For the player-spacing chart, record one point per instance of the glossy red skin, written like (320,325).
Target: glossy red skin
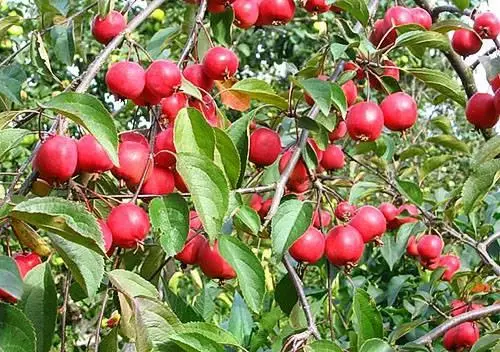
(350,91)
(378,32)
(402,217)
(339,132)
(170,106)
(496,101)
(452,265)
(256,202)
(194,221)
(480,110)
(430,247)
(220,63)
(316,6)
(299,173)
(365,121)
(213,264)
(389,211)
(314,145)
(390,70)
(370,223)
(326,218)
(189,253)
(335,9)
(487,25)
(466,42)
(107,236)
(351,66)
(265,146)
(163,78)
(459,307)
(160,181)
(461,336)
(147,98)
(25,263)
(264,209)
(411,247)
(432,264)
(333,158)
(105,29)
(397,16)
(129,225)
(134,159)
(91,156)
(421,17)
(208,108)
(57,159)
(495,82)
(179,182)
(345,211)
(246,13)
(164,147)
(275,12)
(214,7)
(195,74)
(344,245)
(309,247)
(298,187)
(126,79)
(131,136)
(400,111)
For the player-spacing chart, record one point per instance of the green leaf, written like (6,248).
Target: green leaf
(434,163)
(411,151)
(240,322)
(193,134)
(442,123)
(109,342)
(395,285)
(323,346)
(222,24)
(462,4)
(423,39)
(63,42)
(366,318)
(376,345)
(411,191)
(395,246)
(361,190)
(339,99)
(52,7)
(488,151)
(7,22)
(261,91)
(10,278)
(239,134)
(479,183)
(209,190)
(204,43)
(449,25)
(292,219)
(195,342)
(181,308)
(131,284)
(11,79)
(248,269)
(247,220)
(441,82)
(16,332)
(86,266)
(404,329)
(356,8)
(68,219)
(320,92)
(104,7)
(160,41)
(285,294)
(87,111)
(486,343)
(10,138)
(39,303)
(450,142)
(169,217)
(226,156)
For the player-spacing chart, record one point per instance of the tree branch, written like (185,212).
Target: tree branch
(302,296)
(198,22)
(462,318)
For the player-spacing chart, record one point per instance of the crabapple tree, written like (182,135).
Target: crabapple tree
(249,175)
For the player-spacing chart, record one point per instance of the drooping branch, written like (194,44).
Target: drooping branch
(462,318)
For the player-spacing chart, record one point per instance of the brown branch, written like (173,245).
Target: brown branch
(193,35)
(462,318)
(67,284)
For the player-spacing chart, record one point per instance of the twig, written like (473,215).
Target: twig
(67,284)
(193,35)
(302,297)
(447,8)
(476,63)
(462,318)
